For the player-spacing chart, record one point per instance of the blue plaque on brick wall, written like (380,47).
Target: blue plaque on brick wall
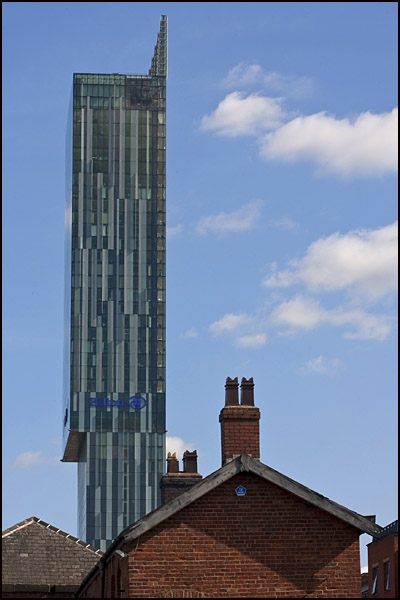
(240,490)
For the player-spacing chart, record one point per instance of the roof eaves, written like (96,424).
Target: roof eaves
(38,588)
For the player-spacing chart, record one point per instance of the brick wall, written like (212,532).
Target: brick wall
(174,484)
(240,428)
(379,551)
(266,544)
(239,431)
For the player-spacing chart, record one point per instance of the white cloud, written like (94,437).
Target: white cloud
(285,224)
(255,340)
(301,314)
(172,232)
(297,313)
(178,445)
(245,330)
(244,75)
(250,75)
(229,323)
(25,460)
(239,115)
(190,334)
(367,326)
(366,146)
(321,365)
(243,219)
(364,262)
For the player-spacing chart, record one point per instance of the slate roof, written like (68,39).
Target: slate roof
(39,555)
(240,464)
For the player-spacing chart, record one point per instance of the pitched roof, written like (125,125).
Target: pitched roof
(245,463)
(37,554)
(389,529)
(242,463)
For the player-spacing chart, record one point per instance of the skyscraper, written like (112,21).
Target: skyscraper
(114,371)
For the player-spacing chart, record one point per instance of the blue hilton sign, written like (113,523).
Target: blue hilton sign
(137,402)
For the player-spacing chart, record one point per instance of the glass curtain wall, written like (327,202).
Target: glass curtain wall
(114,388)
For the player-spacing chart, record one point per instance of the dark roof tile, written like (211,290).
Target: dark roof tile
(37,553)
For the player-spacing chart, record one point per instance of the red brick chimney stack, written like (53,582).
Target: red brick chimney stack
(239,422)
(174,481)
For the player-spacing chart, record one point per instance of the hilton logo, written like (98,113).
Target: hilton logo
(137,402)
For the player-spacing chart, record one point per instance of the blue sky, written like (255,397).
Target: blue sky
(282,234)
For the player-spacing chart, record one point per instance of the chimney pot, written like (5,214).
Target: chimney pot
(231,392)
(189,461)
(172,463)
(247,392)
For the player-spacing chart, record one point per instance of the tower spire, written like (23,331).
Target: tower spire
(159,64)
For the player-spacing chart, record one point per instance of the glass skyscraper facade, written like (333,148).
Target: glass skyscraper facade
(114,355)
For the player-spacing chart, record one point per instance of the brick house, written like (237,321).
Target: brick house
(383,563)
(245,531)
(41,561)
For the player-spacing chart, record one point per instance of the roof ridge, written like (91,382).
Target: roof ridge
(68,536)
(18,526)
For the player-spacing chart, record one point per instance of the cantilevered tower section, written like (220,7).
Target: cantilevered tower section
(114,371)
